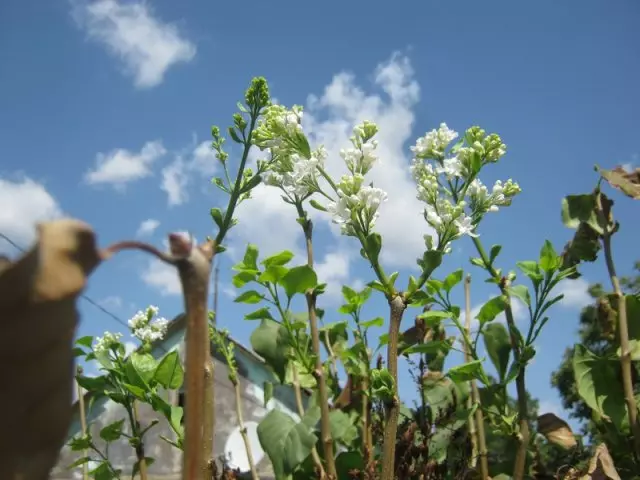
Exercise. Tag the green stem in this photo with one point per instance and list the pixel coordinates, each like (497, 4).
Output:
(523, 411)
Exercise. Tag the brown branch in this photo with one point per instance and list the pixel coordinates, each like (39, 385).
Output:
(194, 268)
(467, 358)
(476, 428)
(625, 352)
(392, 408)
(325, 427)
(243, 429)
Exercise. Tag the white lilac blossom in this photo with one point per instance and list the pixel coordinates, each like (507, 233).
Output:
(482, 201)
(434, 143)
(279, 129)
(356, 209)
(296, 175)
(146, 330)
(103, 344)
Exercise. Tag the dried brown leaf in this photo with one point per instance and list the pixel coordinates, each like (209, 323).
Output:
(38, 318)
(627, 182)
(601, 466)
(556, 430)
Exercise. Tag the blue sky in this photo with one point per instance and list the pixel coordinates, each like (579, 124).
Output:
(129, 91)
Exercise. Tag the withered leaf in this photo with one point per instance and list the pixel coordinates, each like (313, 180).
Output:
(601, 466)
(556, 430)
(626, 182)
(38, 318)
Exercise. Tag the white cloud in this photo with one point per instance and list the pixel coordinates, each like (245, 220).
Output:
(146, 46)
(333, 270)
(177, 176)
(329, 119)
(25, 202)
(163, 277)
(576, 293)
(174, 182)
(119, 167)
(547, 406)
(112, 301)
(147, 227)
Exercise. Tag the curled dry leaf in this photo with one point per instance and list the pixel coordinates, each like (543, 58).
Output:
(38, 318)
(556, 430)
(627, 182)
(601, 466)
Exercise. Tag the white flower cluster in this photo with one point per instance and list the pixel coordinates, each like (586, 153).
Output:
(441, 181)
(278, 127)
(356, 209)
(434, 143)
(296, 175)
(482, 201)
(103, 344)
(144, 329)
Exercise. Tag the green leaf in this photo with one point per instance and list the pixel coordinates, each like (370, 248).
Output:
(286, 442)
(532, 270)
(259, 314)
(169, 373)
(441, 394)
(85, 341)
(104, 472)
(281, 258)
(113, 431)
(466, 371)
(593, 377)
(243, 277)
(521, 292)
(216, 215)
(317, 206)
(347, 463)
(250, 260)
(92, 384)
(477, 262)
(498, 345)
(376, 285)
(299, 280)
(271, 341)
(452, 280)
(80, 443)
(382, 384)
(432, 347)
(433, 317)
(250, 296)
(137, 392)
(349, 294)
(342, 427)
(80, 461)
(372, 246)
(375, 322)
(495, 251)
(145, 365)
(442, 440)
(491, 309)
(430, 261)
(549, 261)
(577, 209)
(273, 274)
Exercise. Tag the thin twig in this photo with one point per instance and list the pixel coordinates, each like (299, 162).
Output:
(623, 328)
(467, 358)
(83, 424)
(476, 428)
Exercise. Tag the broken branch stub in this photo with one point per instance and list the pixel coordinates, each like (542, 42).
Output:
(38, 319)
